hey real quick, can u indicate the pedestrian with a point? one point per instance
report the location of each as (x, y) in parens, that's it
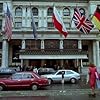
(92, 72)
(35, 69)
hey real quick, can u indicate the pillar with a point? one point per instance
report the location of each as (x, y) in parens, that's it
(42, 44)
(61, 44)
(97, 54)
(79, 44)
(23, 44)
(4, 54)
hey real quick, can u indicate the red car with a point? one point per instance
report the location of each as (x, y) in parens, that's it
(23, 80)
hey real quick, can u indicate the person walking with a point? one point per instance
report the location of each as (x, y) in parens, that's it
(92, 72)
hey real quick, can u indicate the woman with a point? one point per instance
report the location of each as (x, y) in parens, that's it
(92, 78)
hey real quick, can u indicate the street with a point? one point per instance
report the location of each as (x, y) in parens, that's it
(67, 91)
(69, 97)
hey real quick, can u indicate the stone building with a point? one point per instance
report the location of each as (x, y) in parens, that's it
(50, 48)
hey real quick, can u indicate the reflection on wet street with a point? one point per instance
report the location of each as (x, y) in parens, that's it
(80, 97)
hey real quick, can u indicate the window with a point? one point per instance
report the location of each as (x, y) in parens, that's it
(61, 72)
(33, 44)
(66, 12)
(82, 11)
(1, 7)
(70, 44)
(67, 24)
(17, 76)
(27, 76)
(18, 11)
(0, 24)
(69, 72)
(50, 25)
(51, 44)
(18, 25)
(35, 11)
(50, 12)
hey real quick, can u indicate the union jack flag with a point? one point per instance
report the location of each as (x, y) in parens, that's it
(81, 22)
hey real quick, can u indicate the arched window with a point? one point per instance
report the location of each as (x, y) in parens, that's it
(82, 11)
(66, 12)
(18, 11)
(49, 11)
(35, 11)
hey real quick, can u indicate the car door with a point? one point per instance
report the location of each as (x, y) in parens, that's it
(68, 75)
(27, 79)
(58, 76)
(14, 81)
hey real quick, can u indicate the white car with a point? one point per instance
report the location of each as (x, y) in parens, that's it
(69, 75)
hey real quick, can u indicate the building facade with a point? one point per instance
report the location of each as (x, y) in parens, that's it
(50, 48)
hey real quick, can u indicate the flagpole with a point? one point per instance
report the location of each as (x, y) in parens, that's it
(35, 38)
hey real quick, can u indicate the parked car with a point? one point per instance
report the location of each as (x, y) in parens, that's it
(43, 71)
(69, 75)
(6, 71)
(21, 80)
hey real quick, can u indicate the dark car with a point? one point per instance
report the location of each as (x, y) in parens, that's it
(42, 71)
(21, 80)
(7, 71)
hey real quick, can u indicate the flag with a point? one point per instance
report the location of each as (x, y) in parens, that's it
(58, 23)
(81, 22)
(96, 18)
(33, 26)
(8, 24)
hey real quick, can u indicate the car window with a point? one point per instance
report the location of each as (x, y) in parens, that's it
(27, 76)
(69, 72)
(60, 73)
(17, 76)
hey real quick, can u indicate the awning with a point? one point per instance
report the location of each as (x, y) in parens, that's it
(53, 54)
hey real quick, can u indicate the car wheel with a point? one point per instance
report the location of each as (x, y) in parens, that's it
(1, 87)
(50, 81)
(73, 80)
(34, 87)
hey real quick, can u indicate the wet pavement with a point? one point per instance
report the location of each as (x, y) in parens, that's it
(77, 97)
(79, 91)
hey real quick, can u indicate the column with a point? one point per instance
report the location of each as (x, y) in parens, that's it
(79, 44)
(23, 17)
(42, 44)
(94, 52)
(61, 44)
(81, 66)
(4, 54)
(28, 17)
(22, 64)
(23, 44)
(62, 63)
(45, 18)
(97, 54)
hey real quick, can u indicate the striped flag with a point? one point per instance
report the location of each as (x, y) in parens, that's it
(8, 24)
(58, 23)
(96, 18)
(33, 26)
(81, 22)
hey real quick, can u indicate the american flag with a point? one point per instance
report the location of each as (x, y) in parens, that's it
(81, 22)
(8, 24)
